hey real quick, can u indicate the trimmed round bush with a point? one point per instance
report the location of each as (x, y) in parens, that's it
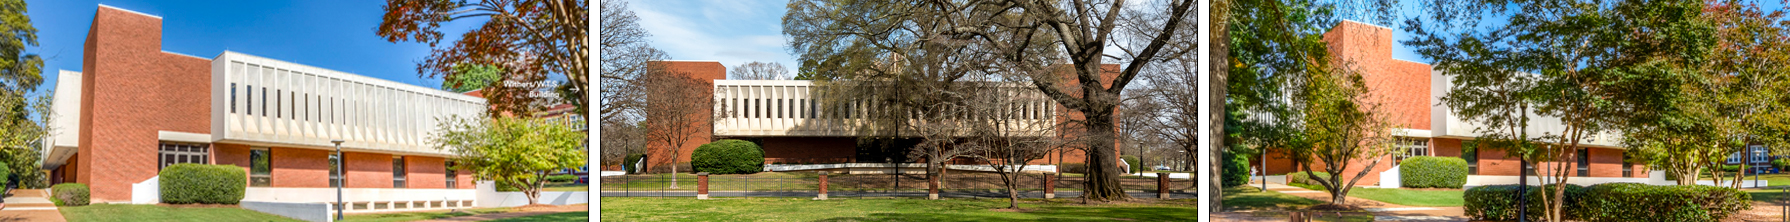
(1301, 178)
(188, 183)
(1641, 202)
(1133, 163)
(728, 157)
(1498, 202)
(1433, 171)
(1236, 170)
(69, 194)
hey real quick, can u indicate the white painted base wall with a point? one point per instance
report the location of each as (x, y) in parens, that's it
(489, 197)
(1390, 178)
(147, 192)
(369, 199)
(890, 168)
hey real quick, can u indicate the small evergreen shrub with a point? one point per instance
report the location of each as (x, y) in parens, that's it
(1133, 163)
(69, 194)
(1641, 202)
(1301, 178)
(1236, 170)
(632, 161)
(1433, 172)
(1081, 168)
(188, 183)
(728, 157)
(1498, 202)
(562, 178)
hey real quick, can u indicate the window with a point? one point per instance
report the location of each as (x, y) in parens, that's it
(1759, 155)
(451, 175)
(398, 172)
(276, 103)
(335, 170)
(1412, 147)
(249, 100)
(1472, 157)
(1584, 162)
(260, 167)
(232, 97)
(264, 101)
(172, 153)
(1628, 168)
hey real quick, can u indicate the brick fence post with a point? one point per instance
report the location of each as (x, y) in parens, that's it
(823, 186)
(702, 185)
(1050, 186)
(932, 187)
(1162, 185)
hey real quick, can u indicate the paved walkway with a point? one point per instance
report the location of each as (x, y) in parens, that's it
(30, 205)
(1382, 211)
(523, 213)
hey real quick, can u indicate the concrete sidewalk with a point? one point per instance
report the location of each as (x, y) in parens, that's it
(854, 194)
(1382, 211)
(30, 205)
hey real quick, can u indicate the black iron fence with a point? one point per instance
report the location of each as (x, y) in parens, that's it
(807, 184)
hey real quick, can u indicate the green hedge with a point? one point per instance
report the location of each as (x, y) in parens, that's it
(1498, 202)
(200, 183)
(1081, 168)
(562, 178)
(1301, 178)
(728, 157)
(1236, 170)
(1432, 171)
(69, 194)
(1641, 202)
(5, 176)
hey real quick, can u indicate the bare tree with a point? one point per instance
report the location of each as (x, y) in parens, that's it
(759, 71)
(620, 138)
(677, 110)
(625, 57)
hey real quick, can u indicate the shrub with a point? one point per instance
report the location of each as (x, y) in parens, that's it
(631, 161)
(728, 157)
(1641, 202)
(5, 177)
(1431, 171)
(1081, 168)
(1730, 168)
(1132, 163)
(1781, 163)
(69, 194)
(1236, 170)
(562, 178)
(1498, 202)
(201, 183)
(1301, 178)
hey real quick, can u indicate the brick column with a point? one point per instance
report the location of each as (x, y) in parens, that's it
(932, 187)
(1162, 185)
(1050, 186)
(823, 186)
(702, 185)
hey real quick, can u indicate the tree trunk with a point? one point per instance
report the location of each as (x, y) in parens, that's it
(1218, 63)
(1012, 195)
(674, 168)
(1102, 182)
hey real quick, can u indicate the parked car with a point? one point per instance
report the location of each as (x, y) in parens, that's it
(583, 179)
(1161, 167)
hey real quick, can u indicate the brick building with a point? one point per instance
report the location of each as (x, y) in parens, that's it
(795, 133)
(134, 109)
(1428, 128)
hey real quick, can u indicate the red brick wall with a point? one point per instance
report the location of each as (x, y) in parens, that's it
(809, 149)
(294, 167)
(1402, 87)
(657, 151)
(139, 90)
(1066, 115)
(369, 170)
(425, 172)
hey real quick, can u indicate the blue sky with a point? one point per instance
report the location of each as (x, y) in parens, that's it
(731, 32)
(332, 34)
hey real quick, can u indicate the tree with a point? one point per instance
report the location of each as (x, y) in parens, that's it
(516, 152)
(471, 77)
(1338, 123)
(1590, 64)
(528, 39)
(625, 57)
(1003, 138)
(620, 139)
(759, 71)
(24, 118)
(677, 110)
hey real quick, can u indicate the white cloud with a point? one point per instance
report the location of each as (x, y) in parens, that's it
(730, 32)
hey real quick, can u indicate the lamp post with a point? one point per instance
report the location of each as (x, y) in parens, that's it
(338, 170)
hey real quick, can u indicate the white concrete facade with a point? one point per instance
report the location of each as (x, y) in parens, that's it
(790, 108)
(1444, 123)
(65, 121)
(261, 101)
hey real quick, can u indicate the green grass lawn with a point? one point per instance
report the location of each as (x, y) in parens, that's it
(134, 212)
(687, 182)
(1407, 197)
(899, 209)
(1253, 198)
(567, 216)
(415, 216)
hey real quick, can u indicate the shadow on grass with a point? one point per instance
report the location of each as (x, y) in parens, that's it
(567, 216)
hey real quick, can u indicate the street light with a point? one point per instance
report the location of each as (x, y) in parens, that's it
(338, 170)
